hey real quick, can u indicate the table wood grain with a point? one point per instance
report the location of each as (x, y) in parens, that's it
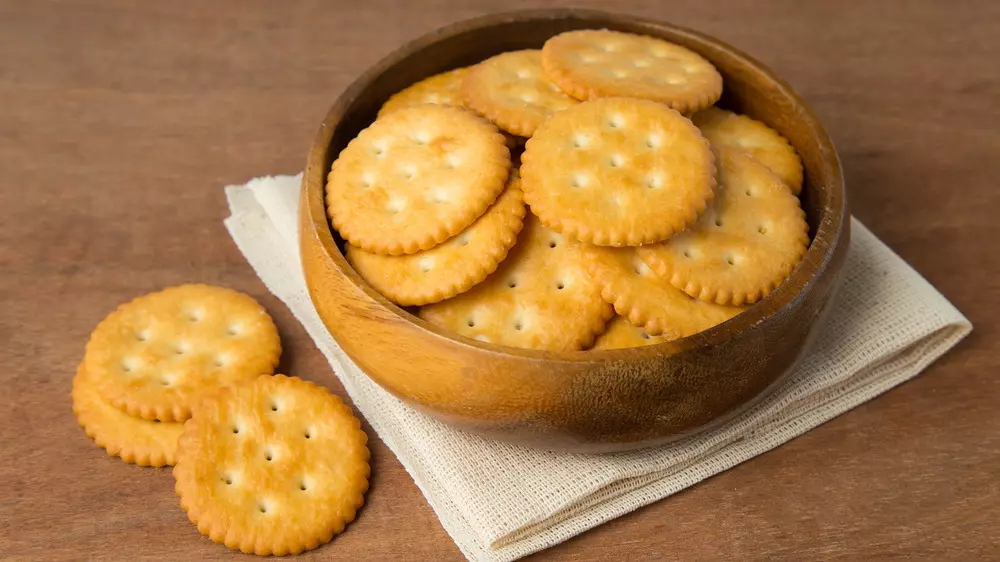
(120, 122)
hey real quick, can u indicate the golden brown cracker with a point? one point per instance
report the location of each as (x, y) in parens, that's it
(135, 440)
(647, 300)
(452, 267)
(744, 245)
(618, 172)
(157, 356)
(276, 465)
(620, 333)
(723, 127)
(598, 63)
(511, 90)
(540, 297)
(415, 178)
(441, 89)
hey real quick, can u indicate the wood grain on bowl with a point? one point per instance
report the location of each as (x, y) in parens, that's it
(585, 400)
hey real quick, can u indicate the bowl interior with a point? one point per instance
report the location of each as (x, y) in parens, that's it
(749, 88)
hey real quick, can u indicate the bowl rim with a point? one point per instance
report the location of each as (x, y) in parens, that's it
(818, 257)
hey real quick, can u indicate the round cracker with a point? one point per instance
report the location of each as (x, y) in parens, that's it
(276, 465)
(157, 356)
(744, 245)
(452, 267)
(723, 127)
(620, 333)
(647, 300)
(134, 440)
(598, 63)
(618, 172)
(415, 178)
(441, 89)
(511, 90)
(541, 297)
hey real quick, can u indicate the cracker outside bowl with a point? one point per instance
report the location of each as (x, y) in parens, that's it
(594, 401)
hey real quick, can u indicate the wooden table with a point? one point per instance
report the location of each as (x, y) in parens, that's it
(121, 121)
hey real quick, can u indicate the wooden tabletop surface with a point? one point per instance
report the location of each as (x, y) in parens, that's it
(120, 122)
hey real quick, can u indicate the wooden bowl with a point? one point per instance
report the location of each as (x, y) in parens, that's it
(581, 400)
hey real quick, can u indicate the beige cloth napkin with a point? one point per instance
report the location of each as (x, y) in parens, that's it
(500, 502)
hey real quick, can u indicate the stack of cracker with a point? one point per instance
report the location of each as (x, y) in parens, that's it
(653, 215)
(265, 464)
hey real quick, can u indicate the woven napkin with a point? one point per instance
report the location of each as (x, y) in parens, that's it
(500, 502)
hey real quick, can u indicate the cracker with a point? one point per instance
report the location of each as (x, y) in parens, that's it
(723, 127)
(511, 90)
(441, 89)
(157, 356)
(621, 333)
(745, 244)
(452, 267)
(618, 172)
(276, 465)
(647, 300)
(135, 440)
(541, 297)
(415, 178)
(592, 63)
